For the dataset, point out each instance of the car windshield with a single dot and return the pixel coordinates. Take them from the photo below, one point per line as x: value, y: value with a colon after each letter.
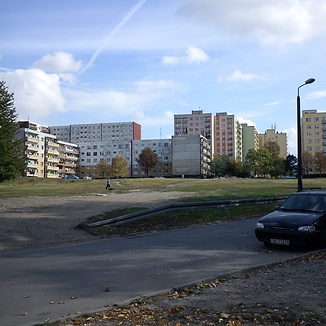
x: 307, y: 202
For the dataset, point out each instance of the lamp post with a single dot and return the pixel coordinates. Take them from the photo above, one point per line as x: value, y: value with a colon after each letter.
x: 308, y: 81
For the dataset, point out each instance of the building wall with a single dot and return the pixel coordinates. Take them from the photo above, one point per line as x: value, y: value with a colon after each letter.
x: 277, y: 137
x: 92, y: 152
x: 250, y: 139
x: 228, y: 136
x: 100, y: 141
x: 313, y: 133
x: 97, y: 132
x: 162, y: 148
x: 45, y: 155
x: 196, y: 123
x: 190, y: 156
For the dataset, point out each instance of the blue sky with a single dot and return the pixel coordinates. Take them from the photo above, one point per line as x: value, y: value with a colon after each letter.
x: 82, y: 61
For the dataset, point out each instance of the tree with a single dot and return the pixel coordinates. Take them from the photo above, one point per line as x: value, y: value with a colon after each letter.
x: 259, y: 161
x: 120, y: 167
x: 290, y: 164
x: 273, y: 148
x: 147, y: 159
x: 103, y: 168
x: 320, y: 162
x: 221, y: 165
x: 307, y: 162
x: 12, y: 160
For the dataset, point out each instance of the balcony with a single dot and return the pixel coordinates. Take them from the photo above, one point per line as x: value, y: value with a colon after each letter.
x: 52, y: 159
x: 32, y: 147
x: 32, y: 139
x: 52, y: 151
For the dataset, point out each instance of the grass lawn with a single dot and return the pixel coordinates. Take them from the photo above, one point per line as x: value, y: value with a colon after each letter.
x: 197, y: 189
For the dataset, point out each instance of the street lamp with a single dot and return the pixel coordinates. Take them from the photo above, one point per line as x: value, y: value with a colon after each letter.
x: 308, y: 81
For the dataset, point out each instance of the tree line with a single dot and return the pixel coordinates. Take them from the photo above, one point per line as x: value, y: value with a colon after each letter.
x: 262, y: 162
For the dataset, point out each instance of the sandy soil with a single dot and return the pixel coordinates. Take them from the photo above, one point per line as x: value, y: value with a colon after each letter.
x: 36, y: 222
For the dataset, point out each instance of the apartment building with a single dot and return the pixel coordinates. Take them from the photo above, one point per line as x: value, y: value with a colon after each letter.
x: 97, y: 132
x: 250, y: 139
x: 99, y: 141
x: 45, y: 155
x: 278, y: 137
x: 228, y: 136
x: 196, y: 123
x: 313, y: 131
x: 191, y: 156
x: 162, y: 148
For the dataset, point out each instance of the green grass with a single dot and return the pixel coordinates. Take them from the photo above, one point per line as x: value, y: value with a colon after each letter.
x: 196, y: 189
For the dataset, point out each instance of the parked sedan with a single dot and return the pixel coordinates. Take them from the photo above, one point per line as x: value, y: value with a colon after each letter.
x: 299, y: 220
x: 72, y: 176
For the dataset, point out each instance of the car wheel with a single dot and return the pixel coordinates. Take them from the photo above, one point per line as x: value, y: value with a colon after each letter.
x: 322, y: 239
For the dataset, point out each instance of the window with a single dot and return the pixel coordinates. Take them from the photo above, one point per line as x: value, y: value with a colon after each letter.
x: 316, y: 126
x: 308, y: 119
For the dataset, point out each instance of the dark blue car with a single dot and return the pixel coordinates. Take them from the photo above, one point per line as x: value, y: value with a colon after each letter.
x: 299, y: 220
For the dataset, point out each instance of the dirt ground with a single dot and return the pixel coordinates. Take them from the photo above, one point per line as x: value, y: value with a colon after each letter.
x: 291, y: 293
x: 37, y: 222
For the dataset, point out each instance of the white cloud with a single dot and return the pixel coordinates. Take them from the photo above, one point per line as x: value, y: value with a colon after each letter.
x: 292, y: 140
x: 59, y: 62
x: 239, y: 76
x: 194, y: 55
x: 119, y: 102
x: 158, y: 121
x: 247, y: 121
x: 272, y: 103
x: 317, y: 94
x: 36, y: 93
x: 275, y: 22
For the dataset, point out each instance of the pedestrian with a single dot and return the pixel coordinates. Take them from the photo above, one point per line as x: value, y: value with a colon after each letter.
x: 108, y: 183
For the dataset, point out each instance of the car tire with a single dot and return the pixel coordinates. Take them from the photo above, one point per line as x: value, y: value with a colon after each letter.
x: 322, y: 239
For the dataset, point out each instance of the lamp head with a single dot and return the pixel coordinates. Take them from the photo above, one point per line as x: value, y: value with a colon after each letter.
x: 309, y: 81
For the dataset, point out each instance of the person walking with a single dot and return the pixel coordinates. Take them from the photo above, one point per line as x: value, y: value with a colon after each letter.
x: 108, y: 183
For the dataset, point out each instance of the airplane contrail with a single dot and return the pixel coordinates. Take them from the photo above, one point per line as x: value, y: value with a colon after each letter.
x: 115, y: 31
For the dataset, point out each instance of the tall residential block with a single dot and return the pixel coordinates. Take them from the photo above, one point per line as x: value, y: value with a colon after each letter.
x: 100, y: 141
x: 250, y: 139
x: 191, y: 156
x: 228, y: 136
x: 196, y: 123
x: 278, y: 137
x: 313, y: 131
x: 46, y: 156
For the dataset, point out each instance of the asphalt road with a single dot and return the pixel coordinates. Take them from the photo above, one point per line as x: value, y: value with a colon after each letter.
x: 54, y: 283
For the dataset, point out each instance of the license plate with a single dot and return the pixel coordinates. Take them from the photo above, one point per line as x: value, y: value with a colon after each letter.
x: 280, y: 242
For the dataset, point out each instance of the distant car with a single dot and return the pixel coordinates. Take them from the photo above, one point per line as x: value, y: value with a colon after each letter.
x: 72, y: 176
x: 86, y: 177
x: 299, y: 220
x: 159, y: 177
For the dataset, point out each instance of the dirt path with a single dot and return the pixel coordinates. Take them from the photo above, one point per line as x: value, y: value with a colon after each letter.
x: 37, y: 222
